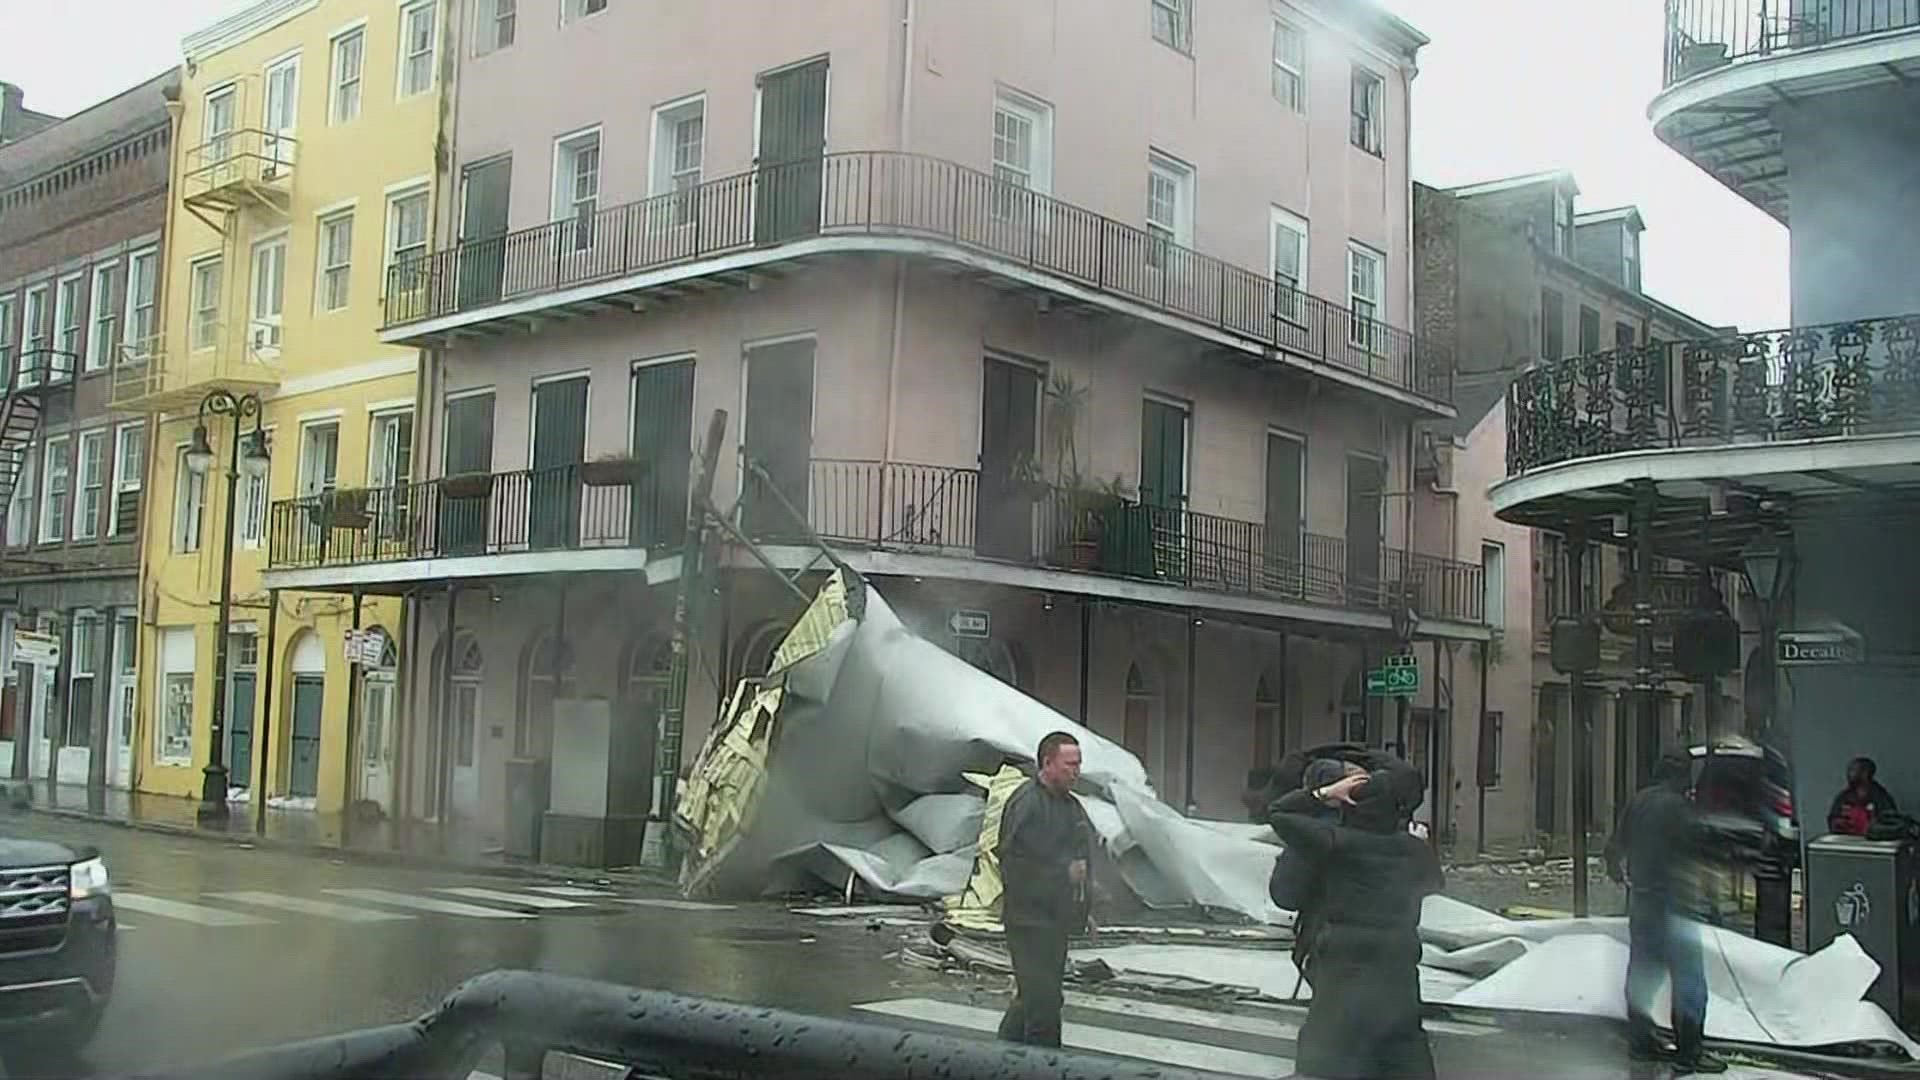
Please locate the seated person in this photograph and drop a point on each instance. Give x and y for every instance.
(1861, 801)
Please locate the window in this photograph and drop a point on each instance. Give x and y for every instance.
(126, 652)
(336, 261)
(571, 10)
(1589, 331)
(1169, 207)
(93, 484)
(1366, 291)
(406, 228)
(1022, 151)
(419, 26)
(20, 508)
(53, 499)
(319, 457)
(1624, 335)
(189, 504)
(67, 319)
(1367, 115)
(282, 112)
(82, 665)
(1172, 23)
(105, 319)
(204, 331)
(1493, 575)
(1553, 325)
(495, 31)
(6, 338)
(349, 60)
(390, 468)
(33, 337)
(217, 125)
(269, 296)
(1562, 224)
(679, 152)
(1630, 256)
(173, 735)
(576, 186)
(1493, 732)
(250, 510)
(129, 468)
(1289, 244)
(143, 280)
(1289, 66)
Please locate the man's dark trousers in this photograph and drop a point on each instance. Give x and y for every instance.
(1039, 965)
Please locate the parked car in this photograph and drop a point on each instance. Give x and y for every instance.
(1745, 795)
(57, 943)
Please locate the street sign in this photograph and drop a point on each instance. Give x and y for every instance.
(1398, 679)
(1806, 648)
(966, 623)
(33, 647)
(365, 647)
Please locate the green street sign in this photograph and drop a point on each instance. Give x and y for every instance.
(1393, 681)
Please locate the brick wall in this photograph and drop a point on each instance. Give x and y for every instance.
(69, 210)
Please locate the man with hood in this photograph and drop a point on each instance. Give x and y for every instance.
(1367, 875)
(1657, 841)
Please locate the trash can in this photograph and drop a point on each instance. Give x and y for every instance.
(526, 807)
(1867, 888)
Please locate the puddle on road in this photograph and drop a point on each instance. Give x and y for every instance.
(758, 935)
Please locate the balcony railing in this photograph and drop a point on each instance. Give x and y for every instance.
(1706, 34)
(1854, 378)
(924, 508)
(238, 167)
(241, 354)
(886, 193)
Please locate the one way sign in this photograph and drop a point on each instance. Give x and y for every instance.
(966, 623)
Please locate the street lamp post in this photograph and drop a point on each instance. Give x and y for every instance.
(1768, 566)
(253, 458)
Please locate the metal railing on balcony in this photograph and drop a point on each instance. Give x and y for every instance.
(912, 196)
(1853, 378)
(240, 165)
(239, 354)
(1703, 35)
(870, 504)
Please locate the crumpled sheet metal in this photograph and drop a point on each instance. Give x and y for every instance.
(827, 781)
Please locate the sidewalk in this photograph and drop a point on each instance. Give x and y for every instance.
(410, 843)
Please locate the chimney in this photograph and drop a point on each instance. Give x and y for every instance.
(12, 103)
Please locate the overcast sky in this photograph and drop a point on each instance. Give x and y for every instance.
(1507, 87)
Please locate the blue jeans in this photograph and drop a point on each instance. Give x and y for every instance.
(1663, 941)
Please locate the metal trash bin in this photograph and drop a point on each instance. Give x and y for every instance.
(1867, 888)
(526, 807)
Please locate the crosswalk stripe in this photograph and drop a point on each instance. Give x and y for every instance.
(428, 903)
(185, 912)
(674, 905)
(541, 903)
(1181, 1014)
(304, 906)
(1177, 1052)
(1433, 1027)
(574, 891)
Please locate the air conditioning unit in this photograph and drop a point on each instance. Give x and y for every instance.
(266, 337)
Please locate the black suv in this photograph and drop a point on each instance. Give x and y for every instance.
(56, 941)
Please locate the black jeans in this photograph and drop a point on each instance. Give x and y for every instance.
(1039, 966)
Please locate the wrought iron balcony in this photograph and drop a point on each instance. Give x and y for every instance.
(916, 198)
(238, 170)
(238, 357)
(873, 505)
(1811, 382)
(1703, 35)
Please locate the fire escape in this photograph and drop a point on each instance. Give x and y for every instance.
(28, 390)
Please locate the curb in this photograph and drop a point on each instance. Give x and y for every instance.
(369, 856)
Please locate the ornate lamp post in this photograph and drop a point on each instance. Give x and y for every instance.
(251, 455)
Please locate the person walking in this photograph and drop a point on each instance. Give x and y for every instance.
(1652, 852)
(1365, 876)
(1045, 847)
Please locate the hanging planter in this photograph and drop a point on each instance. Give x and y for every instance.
(612, 470)
(345, 509)
(473, 485)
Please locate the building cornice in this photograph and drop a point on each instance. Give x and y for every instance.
(241, 26)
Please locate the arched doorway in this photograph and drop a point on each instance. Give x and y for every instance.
(649, 670)
(1269, 718)
(1141, 724)
(308, 663)
(546, 676)
(378, 694)
(756, 652)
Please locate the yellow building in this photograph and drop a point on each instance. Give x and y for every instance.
(303, 161)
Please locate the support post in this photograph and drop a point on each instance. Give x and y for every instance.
(1643, 673)
(443, 757)
(1086, 640)
(1193, 631)
(1480, 777)
(350, 781)
(1578, 728)
(263, 750)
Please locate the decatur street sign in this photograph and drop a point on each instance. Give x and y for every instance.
(1803, 648)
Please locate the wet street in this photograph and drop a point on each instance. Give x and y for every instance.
(224, 948)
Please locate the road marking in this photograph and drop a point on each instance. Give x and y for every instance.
(673, 905)
(572, 890)
(1181, 1014)
(1178, 1052)
(428, 903)
(542, 903)
(304, 906)
(185, 912)
(1441, 1027)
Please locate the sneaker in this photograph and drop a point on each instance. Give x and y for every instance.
(1649, 1049)
(1705, 1061)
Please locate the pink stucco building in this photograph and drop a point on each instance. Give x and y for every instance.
(951, 269)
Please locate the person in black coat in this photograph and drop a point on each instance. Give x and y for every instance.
(1365, 877)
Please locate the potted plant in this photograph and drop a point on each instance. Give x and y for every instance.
(471, 485)
(612, 470)
(1095, 520)
(343, 509)
(1027, 481)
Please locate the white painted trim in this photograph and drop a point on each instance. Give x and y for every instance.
(411, 333)
(242, 25)
(562, 376)
(405, 10)
(319, 416)
(476, 567)
(343, 30)
(471, 391)
(654, 118)
(274, 62)
(406, 187)
(348, 376)
(390, 405)
(340, 207)
(667, 358)
(1759, 72)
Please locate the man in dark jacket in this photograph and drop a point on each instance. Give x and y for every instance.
(1657, 840)
(1368, 876)
(1861, 801)
(1045, 847)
